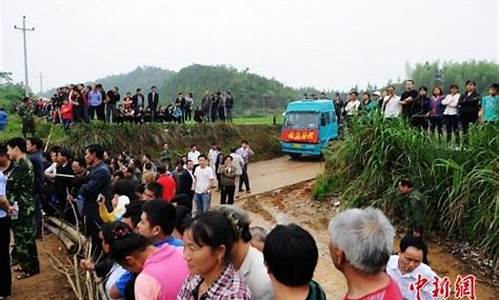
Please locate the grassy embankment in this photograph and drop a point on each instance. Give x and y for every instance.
(461, 183)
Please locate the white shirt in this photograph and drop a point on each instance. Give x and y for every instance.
(212, 157)
(116, 272)
(193, 156)
(403, 281)
(51, 171)
(203, 177)
(451, 102)
(351, 107)
(255, 274)
(392, 107)
(238, 162)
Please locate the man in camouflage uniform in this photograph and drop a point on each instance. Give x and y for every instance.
(19, 189)
(413, 207)
(27, 115)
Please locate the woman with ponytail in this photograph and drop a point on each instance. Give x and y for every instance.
(247, 260)
(208, 243)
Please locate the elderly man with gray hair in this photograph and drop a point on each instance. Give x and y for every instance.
(361, 242)
(246, 259)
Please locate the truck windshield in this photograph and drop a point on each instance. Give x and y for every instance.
(301, 120)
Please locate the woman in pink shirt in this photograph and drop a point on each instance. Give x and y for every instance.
(161, 271)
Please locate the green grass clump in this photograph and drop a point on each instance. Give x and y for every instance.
(461, 183)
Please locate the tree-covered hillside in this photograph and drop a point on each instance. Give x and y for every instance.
(252, 93)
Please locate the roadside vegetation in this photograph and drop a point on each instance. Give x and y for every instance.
(461, 183)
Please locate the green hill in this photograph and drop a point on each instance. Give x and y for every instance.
(142, 77)
(252, 93)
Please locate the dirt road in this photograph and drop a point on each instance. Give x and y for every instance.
(279, 172)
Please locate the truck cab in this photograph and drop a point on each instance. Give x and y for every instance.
(309, 125)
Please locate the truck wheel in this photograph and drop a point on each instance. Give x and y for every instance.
(295, 156)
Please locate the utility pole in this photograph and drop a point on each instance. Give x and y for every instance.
(24, 29)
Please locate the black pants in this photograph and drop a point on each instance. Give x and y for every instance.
(451, 122)
(92, 229)
(38, 215)
(244, 178)
(227, 194)
(466, 120)
(188, 114)
(419, 122)
(98, 110)
(5, 273)
(436, 123)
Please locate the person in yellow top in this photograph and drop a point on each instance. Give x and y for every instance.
(123, 194)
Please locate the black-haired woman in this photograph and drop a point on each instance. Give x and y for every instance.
(161, 271)
(208, 243)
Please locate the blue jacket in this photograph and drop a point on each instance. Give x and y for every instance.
(4, 119)
(436, 108)
(98, 182)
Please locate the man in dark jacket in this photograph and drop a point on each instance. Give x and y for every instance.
(98, 182)
(468, 105)
(407, 98)
(63, 181)
(137, 99)
(34, 148)
(153, 100)
(185, 192)
(420, 108)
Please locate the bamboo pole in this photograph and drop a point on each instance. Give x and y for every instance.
(73, 234)
(67, 242)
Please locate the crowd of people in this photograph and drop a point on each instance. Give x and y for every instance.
(428, 110)
(139, 214)
(77, 103)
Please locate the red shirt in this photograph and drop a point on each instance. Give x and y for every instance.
(389, 292)
(168, 184)
(67, 111)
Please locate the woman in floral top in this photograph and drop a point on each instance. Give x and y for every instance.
(208, 241)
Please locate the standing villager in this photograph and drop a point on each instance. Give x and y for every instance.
(489, 105)
(229, 106)
(451, 113)
(227, 182)
(20, 191)
(246, 153)
(436, 110)
(98, 182)
(27, 116)
(468, 107)
(407, 98)
(420, 108)
(391, 106)
(34, 148)
(153, 100)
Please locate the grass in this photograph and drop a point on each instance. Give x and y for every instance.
(461, 184)
(14, 128)
(259, 120)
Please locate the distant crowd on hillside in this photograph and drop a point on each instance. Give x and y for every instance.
(425, 109)
(77, 103)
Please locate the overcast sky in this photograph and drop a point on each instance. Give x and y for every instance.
(321, 43)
